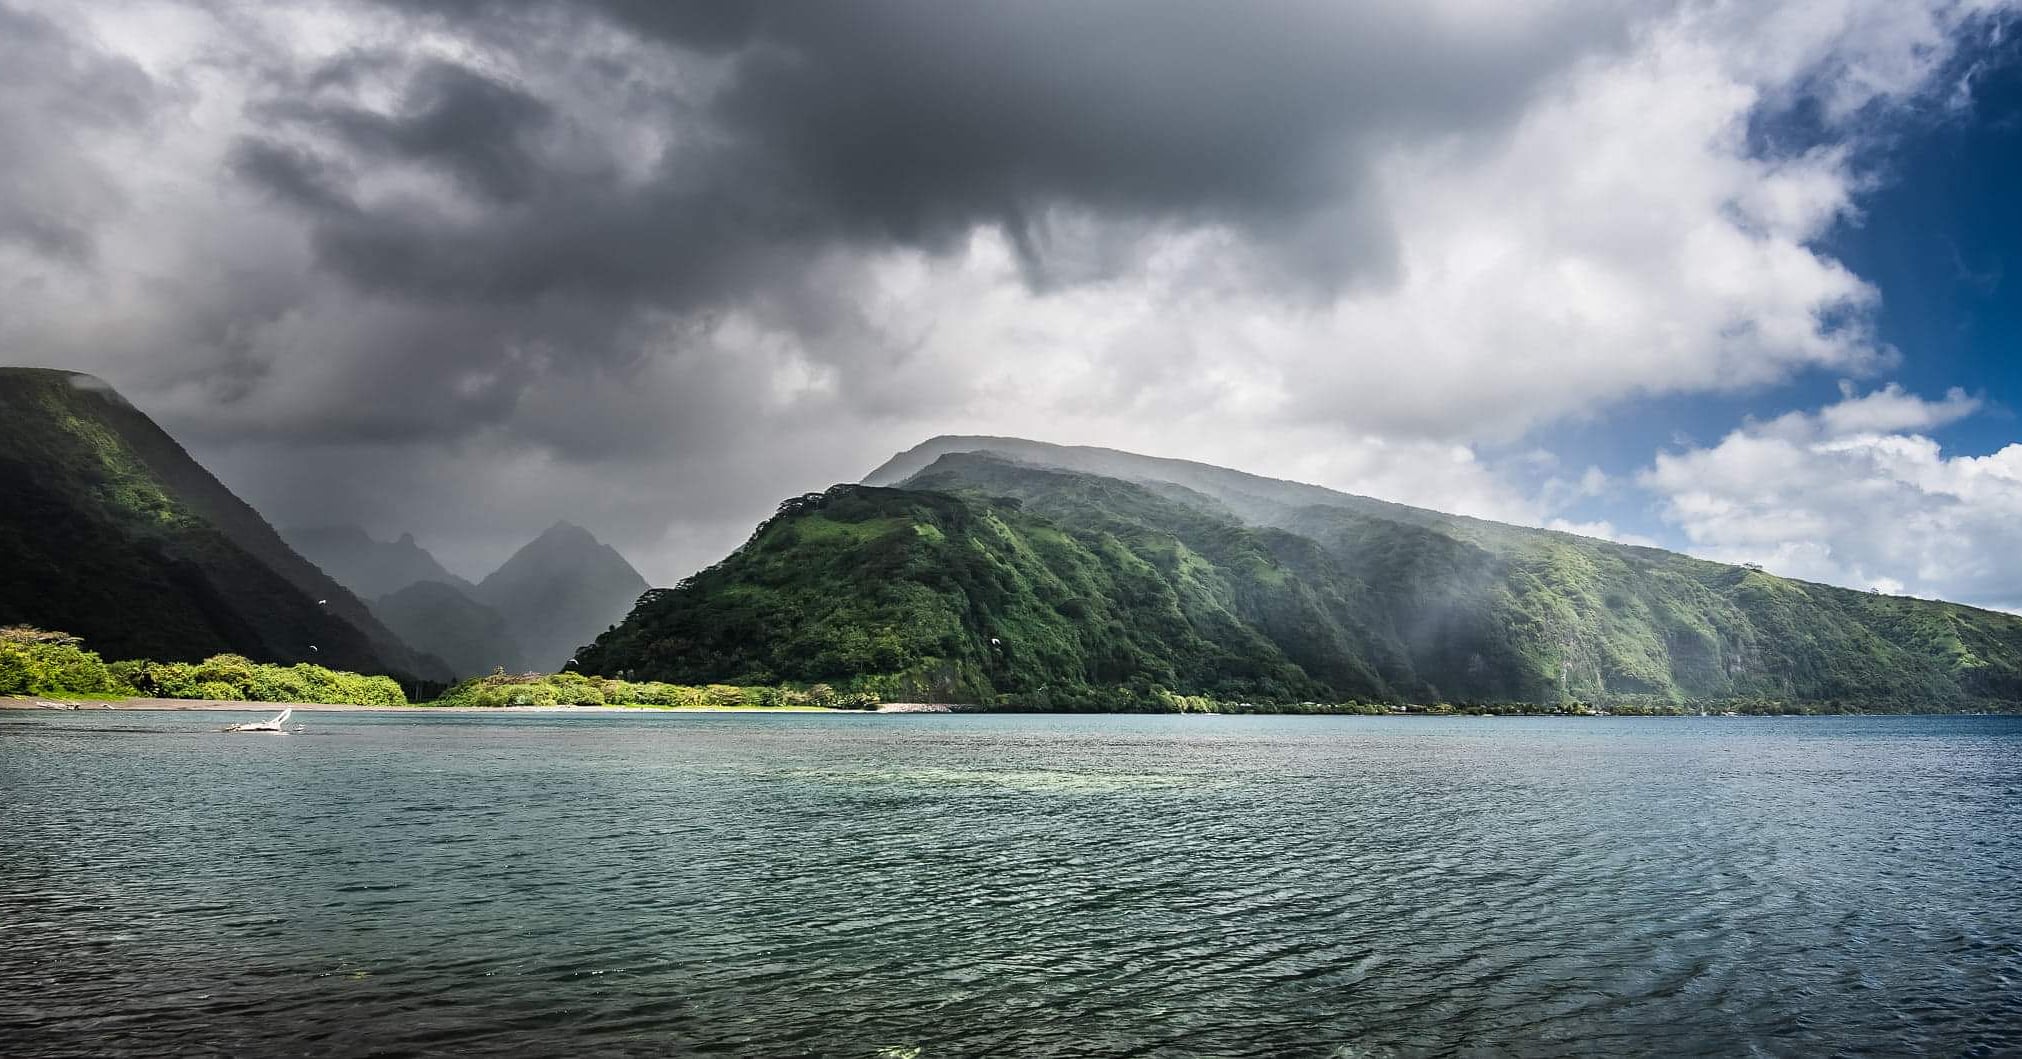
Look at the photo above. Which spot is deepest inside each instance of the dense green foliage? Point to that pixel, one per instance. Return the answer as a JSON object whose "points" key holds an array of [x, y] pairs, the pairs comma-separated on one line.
{"points": [[109, 529], [997, 581], [915, 595], [34, 662], [576, 689], [235, 678]]}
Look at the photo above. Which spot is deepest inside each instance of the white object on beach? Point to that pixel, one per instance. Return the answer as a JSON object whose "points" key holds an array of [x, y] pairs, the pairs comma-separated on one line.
{"points": [[263, 726]]}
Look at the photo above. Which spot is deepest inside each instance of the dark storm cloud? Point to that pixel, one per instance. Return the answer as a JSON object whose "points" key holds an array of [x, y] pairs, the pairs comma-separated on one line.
{"points": [[471, 127], [513, 239], [54, 92], [912, 122], [481, 253]]}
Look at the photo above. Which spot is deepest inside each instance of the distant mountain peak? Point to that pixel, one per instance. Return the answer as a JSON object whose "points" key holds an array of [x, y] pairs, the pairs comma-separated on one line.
{"points": [[566, 532], [367, 565], [559, 591]]}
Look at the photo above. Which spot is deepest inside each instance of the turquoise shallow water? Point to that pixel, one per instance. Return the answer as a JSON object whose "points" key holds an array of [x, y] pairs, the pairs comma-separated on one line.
{"points": [[1009, 886]]}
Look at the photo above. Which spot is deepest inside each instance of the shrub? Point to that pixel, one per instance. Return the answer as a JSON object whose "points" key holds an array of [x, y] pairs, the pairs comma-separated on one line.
{"points": [[278, 684], [36, 662], [725, 695], [169, 680], [856, 700]]}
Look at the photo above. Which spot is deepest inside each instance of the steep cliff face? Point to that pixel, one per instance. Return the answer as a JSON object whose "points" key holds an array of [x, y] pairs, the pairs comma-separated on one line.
{"points": [[110, 531]]}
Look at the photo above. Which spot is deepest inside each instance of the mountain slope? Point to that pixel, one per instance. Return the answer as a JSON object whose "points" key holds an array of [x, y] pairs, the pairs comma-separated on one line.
{"points": [[1480, 611], [110, 531], [445, 621], [558, 593], [371, 568], [1252, 498], [953, 597], [1236, 586]]}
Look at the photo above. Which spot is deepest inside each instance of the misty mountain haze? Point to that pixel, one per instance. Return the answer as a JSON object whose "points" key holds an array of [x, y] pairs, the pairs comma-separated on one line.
{"points": [[442, 619], [558, 593], [551, 596], [371, 568]]}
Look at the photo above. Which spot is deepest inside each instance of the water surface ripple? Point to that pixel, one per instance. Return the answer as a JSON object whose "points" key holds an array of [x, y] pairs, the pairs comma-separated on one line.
{"points": [[939, 886]]}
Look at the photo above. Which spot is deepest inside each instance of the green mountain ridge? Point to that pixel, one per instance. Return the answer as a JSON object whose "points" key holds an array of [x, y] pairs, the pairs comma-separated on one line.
{"points": [[1016, 579], [110, 531]]}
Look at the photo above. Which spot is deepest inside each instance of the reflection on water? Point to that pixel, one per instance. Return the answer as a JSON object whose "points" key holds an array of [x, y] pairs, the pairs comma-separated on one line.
{"points": [[928, 886]]}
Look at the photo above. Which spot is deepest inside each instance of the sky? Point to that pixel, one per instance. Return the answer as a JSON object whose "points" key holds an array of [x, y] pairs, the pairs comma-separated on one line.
{"points": [[1739, 278]]}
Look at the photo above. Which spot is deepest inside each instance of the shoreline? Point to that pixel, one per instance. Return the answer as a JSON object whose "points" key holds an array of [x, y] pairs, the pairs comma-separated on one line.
{"points": [[31, 702], [35, 703]]}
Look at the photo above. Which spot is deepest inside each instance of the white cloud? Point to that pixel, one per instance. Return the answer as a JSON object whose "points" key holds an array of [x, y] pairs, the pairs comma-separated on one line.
{"points": [[1602, 529], [1829, 497], [1891, 410], [1619, 239]]}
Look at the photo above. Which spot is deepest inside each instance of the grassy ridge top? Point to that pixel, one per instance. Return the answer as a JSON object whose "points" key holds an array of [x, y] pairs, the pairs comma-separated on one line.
{"points": [[992, 580]]}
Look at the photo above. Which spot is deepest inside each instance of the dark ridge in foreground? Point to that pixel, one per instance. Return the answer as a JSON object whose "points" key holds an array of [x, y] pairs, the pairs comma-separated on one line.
{"points": [[109, 530]]}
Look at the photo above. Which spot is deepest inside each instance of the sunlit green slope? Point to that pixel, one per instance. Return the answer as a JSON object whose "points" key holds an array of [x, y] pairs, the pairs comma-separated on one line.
{"points": [[992, 579]]}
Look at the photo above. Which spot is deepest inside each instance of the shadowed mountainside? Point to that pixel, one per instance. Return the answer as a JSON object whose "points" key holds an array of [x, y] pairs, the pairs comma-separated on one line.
{"points": [[110, 531], [445, 621], [553, 596], [558, 593], [371, 568]]}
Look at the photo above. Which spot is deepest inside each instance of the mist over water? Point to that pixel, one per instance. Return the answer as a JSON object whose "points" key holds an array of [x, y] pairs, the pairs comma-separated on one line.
{"points": [[1010, 885]]}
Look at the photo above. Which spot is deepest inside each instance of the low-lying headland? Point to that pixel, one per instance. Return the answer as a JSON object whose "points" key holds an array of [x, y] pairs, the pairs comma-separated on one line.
{"points": [[52, 671], [30, 702]]}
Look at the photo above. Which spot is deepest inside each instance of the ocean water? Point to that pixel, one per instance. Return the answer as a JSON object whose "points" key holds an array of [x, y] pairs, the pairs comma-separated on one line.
{"points": [[933, 886]]}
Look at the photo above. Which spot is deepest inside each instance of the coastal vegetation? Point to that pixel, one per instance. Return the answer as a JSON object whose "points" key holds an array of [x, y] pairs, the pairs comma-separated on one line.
{"points": [[57, 665], [35, 662], [575, 689]]}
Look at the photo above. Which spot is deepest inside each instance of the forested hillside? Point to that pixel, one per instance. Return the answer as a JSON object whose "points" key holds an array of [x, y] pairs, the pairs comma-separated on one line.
{"points": [[1000, 580]]}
